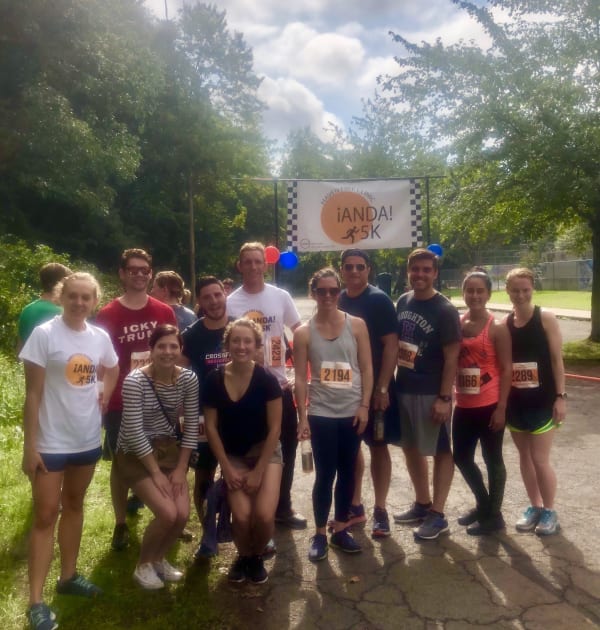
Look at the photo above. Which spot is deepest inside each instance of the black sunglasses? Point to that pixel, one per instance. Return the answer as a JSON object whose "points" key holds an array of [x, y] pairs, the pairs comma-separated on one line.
{"points": [[324, 291], [351, 267]]}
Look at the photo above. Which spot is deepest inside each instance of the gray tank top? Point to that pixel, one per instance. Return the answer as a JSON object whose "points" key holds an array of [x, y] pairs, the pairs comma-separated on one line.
{"points": [[335, 390]]}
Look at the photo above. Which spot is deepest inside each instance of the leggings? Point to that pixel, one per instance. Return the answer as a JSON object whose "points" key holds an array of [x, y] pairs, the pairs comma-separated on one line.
{"points": [[335, 446], [289, 443], [470, 425]]}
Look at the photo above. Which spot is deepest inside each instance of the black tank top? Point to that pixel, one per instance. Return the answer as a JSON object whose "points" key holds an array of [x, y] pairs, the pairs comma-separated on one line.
{"points": [[530, 345]]}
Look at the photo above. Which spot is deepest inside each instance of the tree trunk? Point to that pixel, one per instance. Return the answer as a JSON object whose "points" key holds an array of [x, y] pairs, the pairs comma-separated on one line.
{"points": [[595, 225]]}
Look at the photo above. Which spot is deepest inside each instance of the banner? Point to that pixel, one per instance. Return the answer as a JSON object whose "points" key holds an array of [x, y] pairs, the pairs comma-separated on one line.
{"points": [[368, 214]]}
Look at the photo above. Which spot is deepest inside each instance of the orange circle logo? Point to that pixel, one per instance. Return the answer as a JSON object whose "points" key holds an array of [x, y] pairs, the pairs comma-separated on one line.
{"points": [[347, 217], [80, 370]]}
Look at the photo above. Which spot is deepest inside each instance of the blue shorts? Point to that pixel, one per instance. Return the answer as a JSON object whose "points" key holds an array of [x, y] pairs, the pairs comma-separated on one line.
{"points": [[57, 462]]}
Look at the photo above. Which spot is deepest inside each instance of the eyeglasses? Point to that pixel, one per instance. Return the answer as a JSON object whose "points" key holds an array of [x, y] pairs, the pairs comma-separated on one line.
{"points": [[351, 267], [138, 271], [325, 291]]}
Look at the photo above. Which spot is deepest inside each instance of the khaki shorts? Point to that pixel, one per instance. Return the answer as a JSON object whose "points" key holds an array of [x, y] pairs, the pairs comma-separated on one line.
{"points": [[251, 457], [131, 469], [417, 427]]}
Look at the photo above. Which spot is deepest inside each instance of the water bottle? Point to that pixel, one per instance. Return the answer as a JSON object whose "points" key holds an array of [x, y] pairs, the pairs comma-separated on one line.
{"points": [[378, 426], [307, 456]]}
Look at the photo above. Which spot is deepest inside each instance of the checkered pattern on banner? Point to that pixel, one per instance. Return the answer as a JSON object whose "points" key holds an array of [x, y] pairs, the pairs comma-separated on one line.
{"points": [[292, 218], [416, 224]]}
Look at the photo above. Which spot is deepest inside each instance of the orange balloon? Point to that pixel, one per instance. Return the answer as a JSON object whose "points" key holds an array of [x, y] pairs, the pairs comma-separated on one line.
{"points": [[271, 254]]}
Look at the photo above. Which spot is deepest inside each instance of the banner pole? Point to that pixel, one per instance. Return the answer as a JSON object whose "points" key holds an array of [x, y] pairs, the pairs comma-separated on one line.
{"points": [[276, 211]]}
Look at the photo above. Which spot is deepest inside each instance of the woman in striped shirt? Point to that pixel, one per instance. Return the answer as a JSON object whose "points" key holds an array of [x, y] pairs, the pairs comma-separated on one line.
{"points": [[153, 453]]}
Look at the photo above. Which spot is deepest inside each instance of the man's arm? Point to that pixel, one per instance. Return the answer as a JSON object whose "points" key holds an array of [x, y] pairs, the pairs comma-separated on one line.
{"points": [[442, 409], [381, 398]]}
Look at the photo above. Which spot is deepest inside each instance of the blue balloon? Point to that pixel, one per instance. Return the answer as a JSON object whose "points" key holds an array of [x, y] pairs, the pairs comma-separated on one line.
{"points": [[438, 250], [288, 260]]}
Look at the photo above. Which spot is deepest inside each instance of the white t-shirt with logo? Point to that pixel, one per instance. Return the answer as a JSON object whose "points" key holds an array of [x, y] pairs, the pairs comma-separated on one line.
{"points": [[69, 415], [272, 308]]}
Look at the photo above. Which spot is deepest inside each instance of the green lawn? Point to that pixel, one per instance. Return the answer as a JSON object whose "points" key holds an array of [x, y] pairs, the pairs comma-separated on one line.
{"points": [[581, 300]]}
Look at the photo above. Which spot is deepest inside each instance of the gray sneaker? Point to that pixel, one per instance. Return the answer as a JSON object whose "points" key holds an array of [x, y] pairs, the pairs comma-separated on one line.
{"points": [[434, 525], [415, 514], [529, 520], [548, 523]]}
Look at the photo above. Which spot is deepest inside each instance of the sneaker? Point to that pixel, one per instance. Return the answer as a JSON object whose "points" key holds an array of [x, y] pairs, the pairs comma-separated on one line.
{"points": [[529, 520], [343, 540], [78, 585], [433, 525], [120, 538], [487, 526], [293, 520], [356, 516], [145, 575], [204, 552], [415, 514], [548, 523], [167, 572], [237, 572], [318, 548], [255, 570], [186, 535], [270, 550], [134, 503], [381, 523], [41, 617], [468, 518]]}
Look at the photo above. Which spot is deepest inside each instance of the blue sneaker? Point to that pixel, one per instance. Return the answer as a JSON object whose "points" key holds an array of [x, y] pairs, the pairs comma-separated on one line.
{"points": [[205, 552], [529, 520], [343, 541], [78, 585], [381, 523], [548, 523], [318, 548], [433, 525], [41, 617], [417, 513]]}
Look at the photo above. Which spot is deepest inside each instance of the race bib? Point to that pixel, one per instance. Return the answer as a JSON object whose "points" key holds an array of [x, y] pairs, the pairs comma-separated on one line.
{"points": [[139, 359], [468, 380], [407, 353], [274, 352], [201, 430], [525, 375], [336, 374]]}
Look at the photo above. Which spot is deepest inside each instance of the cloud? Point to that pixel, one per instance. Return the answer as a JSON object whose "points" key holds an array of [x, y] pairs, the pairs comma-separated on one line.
{"points": [[291, 105]]}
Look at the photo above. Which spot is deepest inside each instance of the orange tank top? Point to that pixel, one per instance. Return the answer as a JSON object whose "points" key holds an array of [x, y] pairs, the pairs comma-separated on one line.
{"points": [[478, 377]]}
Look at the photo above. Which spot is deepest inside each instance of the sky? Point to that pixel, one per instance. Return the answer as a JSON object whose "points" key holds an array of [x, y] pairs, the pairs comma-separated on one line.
{"points": [[319, 59]]}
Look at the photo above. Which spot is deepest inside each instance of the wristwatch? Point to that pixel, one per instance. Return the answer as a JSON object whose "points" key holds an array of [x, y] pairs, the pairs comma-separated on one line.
{"points": [[445, 398], [562, 395], [382, 390]]}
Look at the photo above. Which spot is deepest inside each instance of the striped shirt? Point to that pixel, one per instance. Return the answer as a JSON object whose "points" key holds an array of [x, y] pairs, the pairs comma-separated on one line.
{"points": [[143, 419]]}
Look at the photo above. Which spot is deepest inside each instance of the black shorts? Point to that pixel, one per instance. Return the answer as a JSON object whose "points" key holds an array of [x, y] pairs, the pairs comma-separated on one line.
{"points": [[391, 420]]}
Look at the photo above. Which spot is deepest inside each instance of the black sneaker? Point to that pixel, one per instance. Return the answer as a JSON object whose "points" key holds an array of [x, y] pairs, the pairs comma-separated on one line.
{"points": [[468, 518], [134, 503], [487, 526], [255, 570], [237, 572], [120, 538]]}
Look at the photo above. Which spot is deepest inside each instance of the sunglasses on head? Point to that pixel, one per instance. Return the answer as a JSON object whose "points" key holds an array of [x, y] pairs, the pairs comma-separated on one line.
{"points": [[324, 291], [351, 267]]}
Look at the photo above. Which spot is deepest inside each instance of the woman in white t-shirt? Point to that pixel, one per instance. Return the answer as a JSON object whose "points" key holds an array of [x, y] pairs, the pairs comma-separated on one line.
{"points": [[62, 423]]}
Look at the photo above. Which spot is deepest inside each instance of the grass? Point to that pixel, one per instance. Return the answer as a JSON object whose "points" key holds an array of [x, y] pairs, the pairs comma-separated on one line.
{"points": [[581, 351], [579, 300]]}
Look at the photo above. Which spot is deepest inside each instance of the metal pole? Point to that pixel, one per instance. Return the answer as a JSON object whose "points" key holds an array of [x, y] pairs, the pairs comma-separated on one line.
{"points": [[427, 209], [192, 238], [276, 211]]}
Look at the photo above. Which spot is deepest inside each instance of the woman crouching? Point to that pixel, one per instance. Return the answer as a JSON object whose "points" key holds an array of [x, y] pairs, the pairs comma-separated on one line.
{"points": [[153, 455], [242, 413]]}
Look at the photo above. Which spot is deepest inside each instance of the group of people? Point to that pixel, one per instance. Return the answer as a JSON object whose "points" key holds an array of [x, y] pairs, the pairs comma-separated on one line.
{"points": [[176, 392]]}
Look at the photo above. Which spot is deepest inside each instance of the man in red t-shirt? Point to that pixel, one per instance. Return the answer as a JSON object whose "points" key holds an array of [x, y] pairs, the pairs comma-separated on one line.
{"points": [[129, 320]]}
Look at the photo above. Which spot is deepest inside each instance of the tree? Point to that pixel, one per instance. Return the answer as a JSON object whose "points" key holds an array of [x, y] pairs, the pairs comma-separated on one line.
{"points": [[519, 123]]}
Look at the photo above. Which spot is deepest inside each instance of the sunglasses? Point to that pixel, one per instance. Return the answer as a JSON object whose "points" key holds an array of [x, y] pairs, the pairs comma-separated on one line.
{"points": [[351, 267], [138, 271], [325, 291]]}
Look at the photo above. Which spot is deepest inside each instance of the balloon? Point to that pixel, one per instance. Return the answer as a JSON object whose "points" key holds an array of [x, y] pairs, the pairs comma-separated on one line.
{"points": [[288, 260], [438, 250], [271, 254]]}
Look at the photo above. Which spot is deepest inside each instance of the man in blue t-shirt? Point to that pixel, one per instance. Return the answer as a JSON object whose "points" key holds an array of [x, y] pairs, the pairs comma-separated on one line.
{"points": [[363, 300], [428, 346]]}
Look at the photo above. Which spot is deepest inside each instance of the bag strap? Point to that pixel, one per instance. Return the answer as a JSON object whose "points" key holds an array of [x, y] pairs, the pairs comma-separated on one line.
{"points": [[174, 425]]}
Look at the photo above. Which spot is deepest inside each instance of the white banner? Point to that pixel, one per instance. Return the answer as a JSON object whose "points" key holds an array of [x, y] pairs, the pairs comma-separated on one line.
{"points": [[369, 214]]}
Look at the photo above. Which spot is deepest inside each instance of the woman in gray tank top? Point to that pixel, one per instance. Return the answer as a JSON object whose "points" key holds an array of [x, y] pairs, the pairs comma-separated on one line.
{"points": [[333, 408]]}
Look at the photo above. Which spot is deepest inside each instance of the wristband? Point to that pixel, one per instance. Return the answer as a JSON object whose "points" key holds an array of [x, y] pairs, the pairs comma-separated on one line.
{"points": [[445, 398], [365, 406]]}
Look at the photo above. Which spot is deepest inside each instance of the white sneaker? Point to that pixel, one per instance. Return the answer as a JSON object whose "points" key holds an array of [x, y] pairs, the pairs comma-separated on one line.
{"points": [[167, 571], [145, 575]]}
